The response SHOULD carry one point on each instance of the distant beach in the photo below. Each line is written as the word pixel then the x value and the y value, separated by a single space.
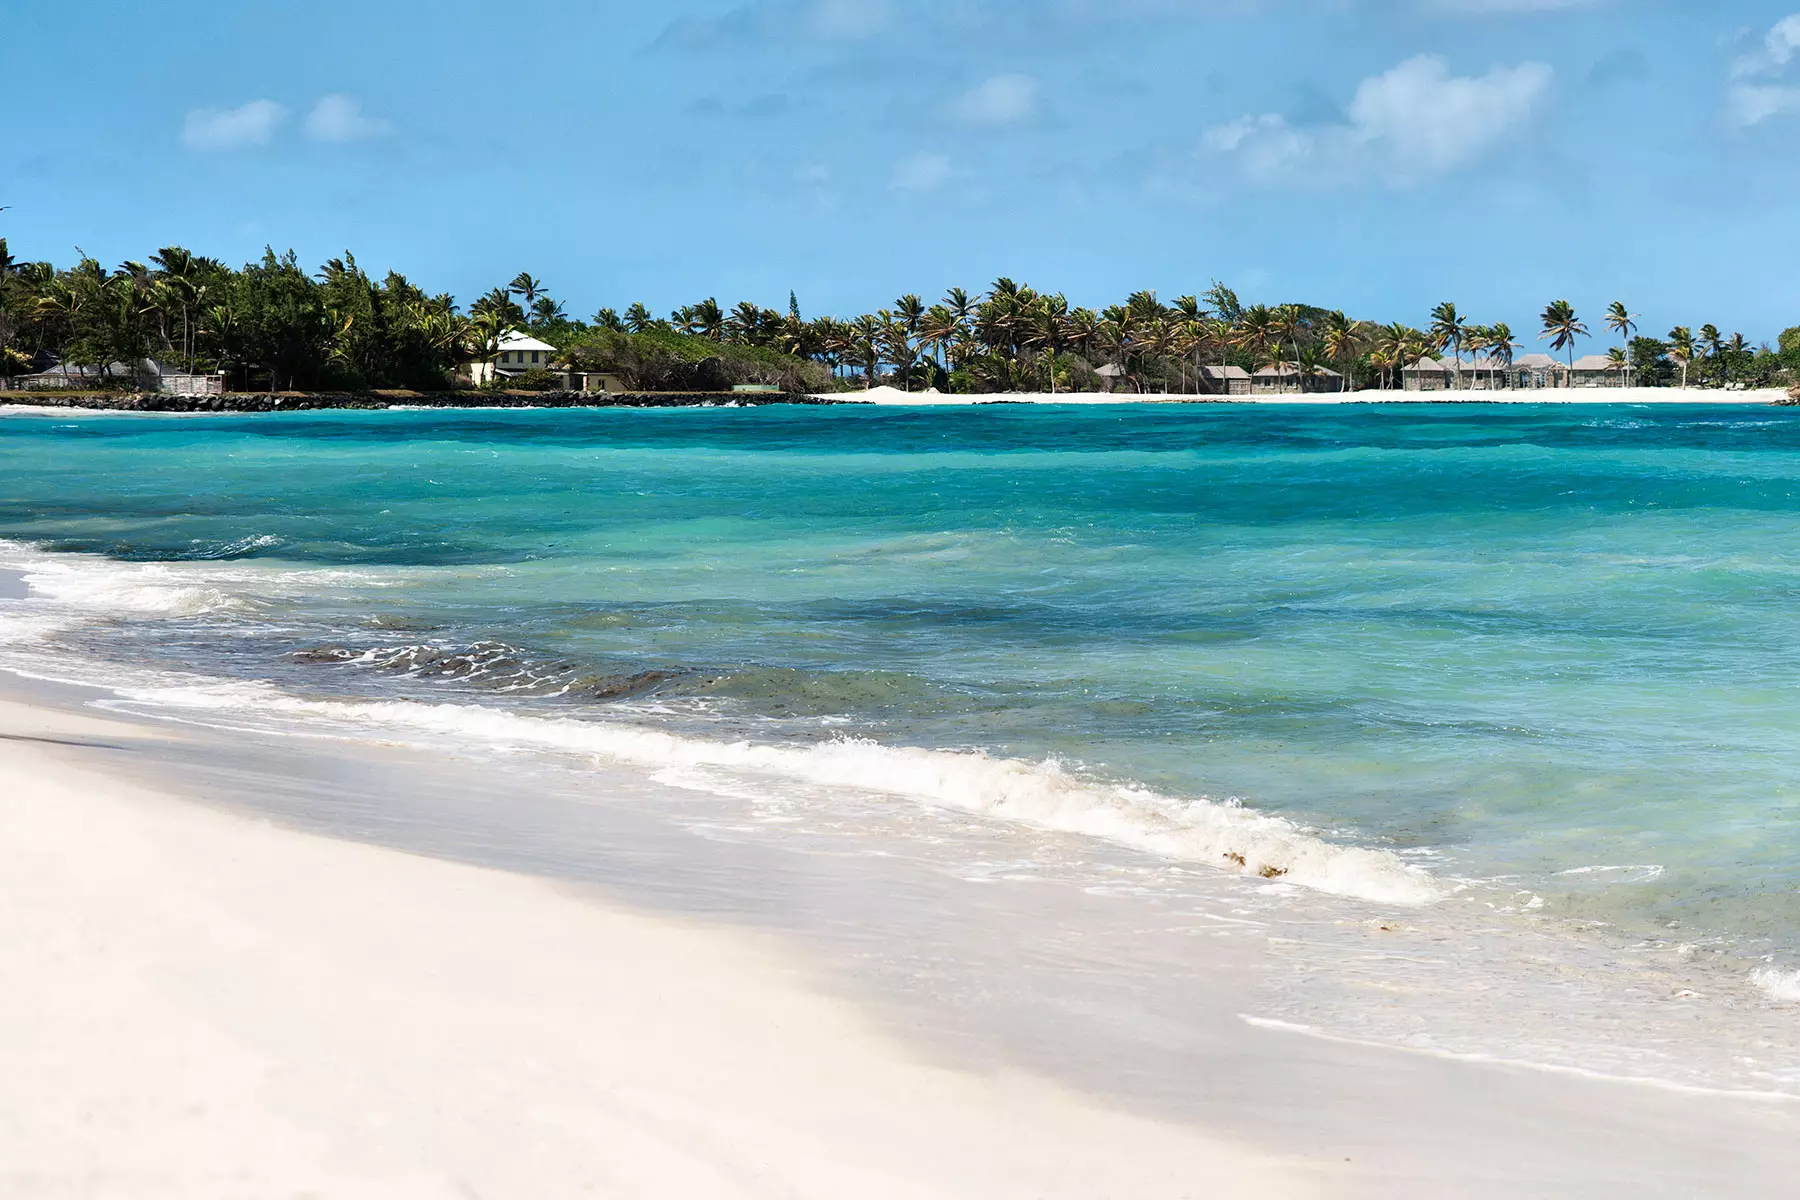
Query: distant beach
pixel 1603 395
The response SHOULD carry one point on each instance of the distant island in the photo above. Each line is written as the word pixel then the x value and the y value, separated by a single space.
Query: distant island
pixel 178 321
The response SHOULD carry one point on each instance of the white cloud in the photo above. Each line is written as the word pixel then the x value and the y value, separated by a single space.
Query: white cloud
pixel 922 172
pixel 339 118
pixel 210 130
pixel 1778 49
pixel 1752 103
pixel 849 19
pixel 1415 121
pixel 1002 100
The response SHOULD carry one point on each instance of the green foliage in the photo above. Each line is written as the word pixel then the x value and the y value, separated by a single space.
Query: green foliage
pixel 272 324
pixel 1789 343
pixel 660 359
pixel 537 379
pixel 1650 365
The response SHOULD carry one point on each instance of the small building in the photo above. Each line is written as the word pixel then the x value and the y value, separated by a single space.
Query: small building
pixel 1225 381
pixel 146 375
pixel 1537 371
pixel 171 380
pixel 1111 375
pixel 1596 370
pixel 1427 375
pixel 1479 374
pixel 515 354
pixel 1287 377
pixel 520 352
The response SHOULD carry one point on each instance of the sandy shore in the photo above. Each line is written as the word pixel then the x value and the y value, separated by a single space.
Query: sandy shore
pixel 197 1004
pixel 888 395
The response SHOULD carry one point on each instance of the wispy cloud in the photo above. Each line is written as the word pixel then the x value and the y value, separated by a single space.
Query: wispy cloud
pixel 1755 95
pixel 1778 48
pixel 1002 100
pixel 339 118
pixel 1748 104
pixel 783 20
pixel 1411 123
pixel 214 130
pixel 923 172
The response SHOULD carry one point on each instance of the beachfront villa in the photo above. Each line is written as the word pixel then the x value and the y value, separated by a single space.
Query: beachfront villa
pixel 1596 370
pixel 1527 372
pixel 1288 377
pixel 520 352
pixel 1225 381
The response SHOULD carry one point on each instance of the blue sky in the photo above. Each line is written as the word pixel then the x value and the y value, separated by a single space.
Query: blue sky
pixel 1375 155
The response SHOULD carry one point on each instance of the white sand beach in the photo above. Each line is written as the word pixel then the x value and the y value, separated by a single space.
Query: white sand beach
pixel 894 396
pixel 195 1004
pixel 198 1002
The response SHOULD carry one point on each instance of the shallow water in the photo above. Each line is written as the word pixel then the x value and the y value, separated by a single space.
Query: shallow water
pixel 1539 660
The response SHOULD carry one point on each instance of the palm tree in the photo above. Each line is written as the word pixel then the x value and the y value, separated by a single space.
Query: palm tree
pixel 939 330
pixel 1681 349
pixel 1050 330
pixel 638 318
pixel 1498 344
pixel 744 325
pixel 1342 342
pixel 1397 341
pixel 1256 331
pixel 865 342
pixel 1562 328
pixel 1735 352
pixel 1624 324
pixel 547 312
pixel 706 319
pixel 181 276
pixel 1715 342
pixel 1448 328
pixel 524 285
pixel 1290 322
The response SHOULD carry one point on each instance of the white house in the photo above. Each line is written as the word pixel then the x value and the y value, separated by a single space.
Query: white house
pixel 520 352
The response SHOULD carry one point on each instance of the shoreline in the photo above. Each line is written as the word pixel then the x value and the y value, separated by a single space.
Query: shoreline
pixel 883 397
pixel 179 1027
pixel 886 396
pixel 1263 1107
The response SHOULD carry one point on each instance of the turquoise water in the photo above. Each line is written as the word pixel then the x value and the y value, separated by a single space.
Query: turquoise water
pixel 1552 651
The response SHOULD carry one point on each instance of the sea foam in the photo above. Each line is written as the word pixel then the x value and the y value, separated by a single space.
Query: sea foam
pixel 1043 795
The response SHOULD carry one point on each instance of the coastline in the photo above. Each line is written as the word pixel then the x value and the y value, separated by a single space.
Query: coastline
pixel 1765 396
pixel 247 1027
pixel 377 1023
pixel 157 405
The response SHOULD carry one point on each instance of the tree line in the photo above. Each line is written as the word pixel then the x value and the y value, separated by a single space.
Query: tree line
pixel 273 324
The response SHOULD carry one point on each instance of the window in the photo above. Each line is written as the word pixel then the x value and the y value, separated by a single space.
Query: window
pixel 534 355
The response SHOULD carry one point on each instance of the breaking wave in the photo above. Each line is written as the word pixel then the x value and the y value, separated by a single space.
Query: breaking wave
pixel 1778 985
pixel 1043 795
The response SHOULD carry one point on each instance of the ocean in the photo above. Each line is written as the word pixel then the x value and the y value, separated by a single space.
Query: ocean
pixel 1521 681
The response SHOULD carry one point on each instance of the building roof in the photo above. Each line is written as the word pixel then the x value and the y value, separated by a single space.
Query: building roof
pixel 1428 363
pixel 1290 369
pixel 1110 371
pixel 512 339
pixel 1224 372
pixel 1535 360
pixel 1481 363
pixel 1597 362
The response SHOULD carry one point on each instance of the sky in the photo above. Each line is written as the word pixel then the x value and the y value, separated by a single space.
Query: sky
pixel 1377 156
